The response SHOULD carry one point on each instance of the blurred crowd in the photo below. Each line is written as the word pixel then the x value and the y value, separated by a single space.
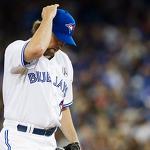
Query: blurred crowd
pixel 111 109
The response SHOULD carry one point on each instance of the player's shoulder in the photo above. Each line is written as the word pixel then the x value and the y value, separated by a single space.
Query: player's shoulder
pixel 64 56
pixel 64 60
pixel 16 43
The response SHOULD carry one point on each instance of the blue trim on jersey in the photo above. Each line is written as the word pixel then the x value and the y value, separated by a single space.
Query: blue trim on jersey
pixel 66 105
pixel 22 54
pixel 6 140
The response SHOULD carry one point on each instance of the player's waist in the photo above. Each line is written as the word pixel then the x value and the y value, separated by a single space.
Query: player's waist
pixel 28 128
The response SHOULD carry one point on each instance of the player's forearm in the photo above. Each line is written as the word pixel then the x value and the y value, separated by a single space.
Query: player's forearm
pixel 43 35
pixel 70 134
pixel 40 40
pixel 67 127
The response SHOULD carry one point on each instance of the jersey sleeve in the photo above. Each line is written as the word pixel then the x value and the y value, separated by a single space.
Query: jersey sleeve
pixel 68 99
pixel 14 55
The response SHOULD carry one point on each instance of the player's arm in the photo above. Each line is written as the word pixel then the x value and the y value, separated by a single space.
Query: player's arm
pixel 40 40
pixel 68 129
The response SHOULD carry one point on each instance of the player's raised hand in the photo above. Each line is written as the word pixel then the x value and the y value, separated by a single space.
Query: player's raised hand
pixel 49 11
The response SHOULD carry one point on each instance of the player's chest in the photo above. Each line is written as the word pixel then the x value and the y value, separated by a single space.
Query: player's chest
pixel 46 69
pixel 49 75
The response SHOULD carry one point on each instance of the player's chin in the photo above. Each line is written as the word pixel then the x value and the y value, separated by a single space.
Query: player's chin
pixel 53 50
pixel 50 52
pixel 52 55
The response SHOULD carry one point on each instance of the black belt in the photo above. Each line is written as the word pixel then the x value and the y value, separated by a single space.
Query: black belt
pixel 38 131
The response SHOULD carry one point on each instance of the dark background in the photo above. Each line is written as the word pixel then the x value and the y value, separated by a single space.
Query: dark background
pixel 111 109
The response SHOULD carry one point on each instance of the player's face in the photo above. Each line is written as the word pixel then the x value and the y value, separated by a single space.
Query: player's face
pixel 54 46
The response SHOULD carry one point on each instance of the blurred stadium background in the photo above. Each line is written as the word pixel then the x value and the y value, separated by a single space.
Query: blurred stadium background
pixel 111 109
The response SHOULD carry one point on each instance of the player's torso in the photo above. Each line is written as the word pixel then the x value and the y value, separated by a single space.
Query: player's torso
pixel 40 92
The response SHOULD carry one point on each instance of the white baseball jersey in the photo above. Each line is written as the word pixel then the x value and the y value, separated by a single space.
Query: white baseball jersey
pixel 35 93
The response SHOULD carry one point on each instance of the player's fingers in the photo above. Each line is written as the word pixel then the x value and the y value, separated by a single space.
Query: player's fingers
pixel 57 5
pixel 50 6
pixel 51 9
pixel 54 5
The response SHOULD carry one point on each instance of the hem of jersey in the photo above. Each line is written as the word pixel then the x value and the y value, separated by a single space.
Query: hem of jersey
pixel 22 54
pixel 67 105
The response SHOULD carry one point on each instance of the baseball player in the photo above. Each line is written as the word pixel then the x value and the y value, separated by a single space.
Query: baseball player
pixel 37 86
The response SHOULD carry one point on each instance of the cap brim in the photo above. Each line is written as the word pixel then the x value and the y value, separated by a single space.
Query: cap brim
pixel 65 38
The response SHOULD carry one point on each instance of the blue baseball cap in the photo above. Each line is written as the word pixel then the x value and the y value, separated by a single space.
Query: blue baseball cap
pixel 63 26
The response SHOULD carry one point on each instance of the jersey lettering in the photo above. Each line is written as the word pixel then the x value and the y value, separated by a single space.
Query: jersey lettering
pixel 65 88
pixel 59 84
pixel 39 77
pixel 45 77
pixel 32 78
